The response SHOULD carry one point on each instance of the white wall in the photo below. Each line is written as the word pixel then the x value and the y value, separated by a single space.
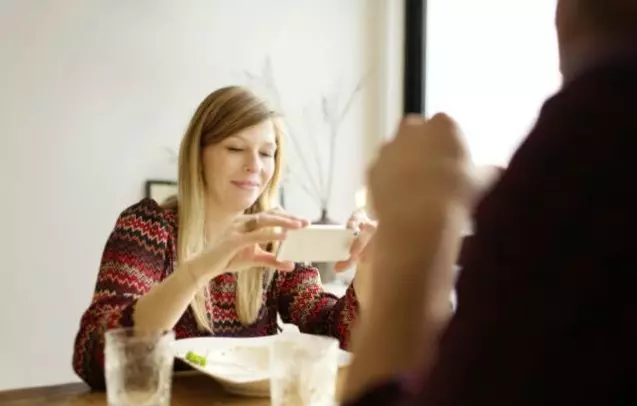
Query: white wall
pixel 388 33
pixel 491 64
pixel 92 94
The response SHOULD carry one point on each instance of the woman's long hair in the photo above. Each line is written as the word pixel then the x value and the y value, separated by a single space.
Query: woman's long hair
pixel 223 113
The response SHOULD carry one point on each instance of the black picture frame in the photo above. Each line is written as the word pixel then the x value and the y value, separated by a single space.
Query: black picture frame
pixel 160 190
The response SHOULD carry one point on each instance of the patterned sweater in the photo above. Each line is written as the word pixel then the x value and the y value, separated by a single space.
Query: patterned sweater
pixel 141 251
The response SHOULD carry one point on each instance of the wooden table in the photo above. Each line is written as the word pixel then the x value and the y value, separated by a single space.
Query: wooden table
pixel 189 389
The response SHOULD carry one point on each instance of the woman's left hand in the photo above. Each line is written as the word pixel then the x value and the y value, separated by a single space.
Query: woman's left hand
pixel 359 249
pixel 360 252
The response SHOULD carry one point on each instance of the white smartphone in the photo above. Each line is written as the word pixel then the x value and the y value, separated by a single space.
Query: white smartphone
pixel 317 243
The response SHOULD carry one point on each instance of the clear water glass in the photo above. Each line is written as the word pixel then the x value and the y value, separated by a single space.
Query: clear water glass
pixel 303 370
pixel 138 365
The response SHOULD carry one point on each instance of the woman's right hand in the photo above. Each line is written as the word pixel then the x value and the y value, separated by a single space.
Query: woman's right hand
pixel 240 247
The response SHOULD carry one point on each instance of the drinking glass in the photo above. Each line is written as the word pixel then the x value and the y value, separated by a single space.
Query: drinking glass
pixel 303 370
pixel 138 365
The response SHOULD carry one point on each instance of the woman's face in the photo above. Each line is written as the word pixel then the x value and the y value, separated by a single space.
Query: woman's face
pixel 237 169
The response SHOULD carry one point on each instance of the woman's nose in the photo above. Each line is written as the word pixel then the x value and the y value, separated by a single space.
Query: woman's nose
pixel 253 163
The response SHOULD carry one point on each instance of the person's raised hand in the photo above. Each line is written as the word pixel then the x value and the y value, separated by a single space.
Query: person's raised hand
pixel 242 245
pixel 427 164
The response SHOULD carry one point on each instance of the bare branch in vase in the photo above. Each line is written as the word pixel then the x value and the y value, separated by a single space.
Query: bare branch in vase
pixel 315 152
pixel 306 189
pixel 350 102
pixel 268 78
pixel 321 189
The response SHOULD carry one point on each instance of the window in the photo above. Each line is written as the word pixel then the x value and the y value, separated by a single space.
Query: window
pixel 490 64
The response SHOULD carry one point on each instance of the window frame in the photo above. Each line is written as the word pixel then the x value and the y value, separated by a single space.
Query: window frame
pixel 415 57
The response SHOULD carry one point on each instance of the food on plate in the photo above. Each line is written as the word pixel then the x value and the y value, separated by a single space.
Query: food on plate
pixel 196 358
pixel 255 359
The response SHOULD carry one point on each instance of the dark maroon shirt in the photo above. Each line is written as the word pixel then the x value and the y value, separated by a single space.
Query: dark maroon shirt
pixel 547 313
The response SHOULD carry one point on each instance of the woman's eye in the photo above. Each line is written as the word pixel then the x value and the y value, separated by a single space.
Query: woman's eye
pixel 233 149
pixel 267 154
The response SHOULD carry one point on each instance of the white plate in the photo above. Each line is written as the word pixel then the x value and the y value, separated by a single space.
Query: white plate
pixel 240 365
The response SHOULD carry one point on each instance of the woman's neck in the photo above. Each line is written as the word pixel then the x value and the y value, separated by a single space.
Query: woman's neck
pixel 577 58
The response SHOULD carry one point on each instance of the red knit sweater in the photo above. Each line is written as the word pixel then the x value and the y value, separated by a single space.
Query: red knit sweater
pixel 141 252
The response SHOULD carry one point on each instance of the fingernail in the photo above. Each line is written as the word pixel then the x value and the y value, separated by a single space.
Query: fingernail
pixel 440 116
pixel 412 118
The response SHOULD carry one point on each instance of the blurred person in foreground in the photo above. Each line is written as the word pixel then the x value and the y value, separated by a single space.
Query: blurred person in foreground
pixel 546 311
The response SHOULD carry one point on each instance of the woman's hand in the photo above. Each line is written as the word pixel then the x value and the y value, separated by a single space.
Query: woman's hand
pixel 238 248
pixel 360 251
pixel 241 246
pixel 360 247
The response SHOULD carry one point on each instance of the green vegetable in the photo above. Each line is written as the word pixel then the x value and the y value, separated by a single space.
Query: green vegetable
pixel 196 358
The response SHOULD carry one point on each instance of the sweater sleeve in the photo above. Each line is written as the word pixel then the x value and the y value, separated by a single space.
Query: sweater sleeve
pixel 133 260
pixel 303 302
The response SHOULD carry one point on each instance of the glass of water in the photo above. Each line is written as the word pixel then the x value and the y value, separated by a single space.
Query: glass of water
pixel 138 365
pixel 303 370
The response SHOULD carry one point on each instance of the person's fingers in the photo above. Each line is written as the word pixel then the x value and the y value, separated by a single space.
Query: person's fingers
pixel 409 122
pixel 261 236
pixel 286 266
pixel 352 223
pixel 365 255
pixel 268 259
pixel 357 246
pixel 281 212
pixel 342 266
pixel 261 220
pixel 448 136
pixel 365 235
pixel 359 216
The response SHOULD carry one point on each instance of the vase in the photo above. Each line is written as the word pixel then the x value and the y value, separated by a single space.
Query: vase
pixel 326 269
pixel 324 219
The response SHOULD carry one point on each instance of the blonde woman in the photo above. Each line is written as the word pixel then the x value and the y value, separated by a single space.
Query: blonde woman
pixel 203 265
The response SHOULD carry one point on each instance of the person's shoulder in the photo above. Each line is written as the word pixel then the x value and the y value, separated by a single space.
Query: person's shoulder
pixel 145 208
pixel 592 113
pixel 147 217
pixel 582 142
pixel 612 79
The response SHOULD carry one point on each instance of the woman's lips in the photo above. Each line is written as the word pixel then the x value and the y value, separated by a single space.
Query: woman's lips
pixel 245 184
